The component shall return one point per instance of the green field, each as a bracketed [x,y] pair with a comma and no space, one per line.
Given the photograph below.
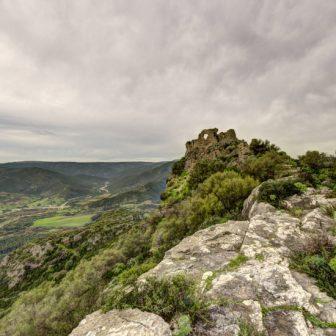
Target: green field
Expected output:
[63,221]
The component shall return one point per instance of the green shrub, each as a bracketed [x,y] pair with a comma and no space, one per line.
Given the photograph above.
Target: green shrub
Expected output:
[274,192]
[236,262]
[318,169]
[314,160]
[178,166]
[219,198]
[259,147]
[270,165]
[204,169]
[330,211]
[228,189]
[166,298]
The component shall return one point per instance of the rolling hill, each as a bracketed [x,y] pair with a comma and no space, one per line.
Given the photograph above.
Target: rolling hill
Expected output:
[107,170]
[72,179]
[41,182]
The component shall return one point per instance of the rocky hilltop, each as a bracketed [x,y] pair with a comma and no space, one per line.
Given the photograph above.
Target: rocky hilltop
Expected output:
[243,244]
[211,145]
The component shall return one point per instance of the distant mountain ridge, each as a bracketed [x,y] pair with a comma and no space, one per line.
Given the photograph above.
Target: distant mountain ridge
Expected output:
[100,169]
[73,179]
[42,182]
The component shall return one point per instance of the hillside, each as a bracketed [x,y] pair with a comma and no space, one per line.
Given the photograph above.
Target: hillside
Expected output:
[243,243]
[71,179]
[106,170]
[38,181]
[29,194]
[156,174]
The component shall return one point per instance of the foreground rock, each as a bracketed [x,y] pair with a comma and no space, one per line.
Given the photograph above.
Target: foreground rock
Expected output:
[261,290]
[242,269]
[131,322]
[206,251]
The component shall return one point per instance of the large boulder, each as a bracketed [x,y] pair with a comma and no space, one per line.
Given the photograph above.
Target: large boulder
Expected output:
[130,322]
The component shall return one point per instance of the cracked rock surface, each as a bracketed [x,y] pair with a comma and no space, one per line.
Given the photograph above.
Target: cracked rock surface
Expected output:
[264,282]
[261,291]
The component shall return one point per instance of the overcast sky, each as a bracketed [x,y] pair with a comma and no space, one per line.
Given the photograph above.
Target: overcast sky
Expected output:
[135,79]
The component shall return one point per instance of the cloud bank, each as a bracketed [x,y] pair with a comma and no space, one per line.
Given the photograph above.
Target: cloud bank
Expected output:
[133,80]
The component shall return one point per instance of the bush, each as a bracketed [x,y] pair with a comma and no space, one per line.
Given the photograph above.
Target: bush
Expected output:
[204,169]
[166,298]
[219,198]
[274,192]
[270,165]
[318,169]
[314,160]
[259,147]
[227,189]
[178,166]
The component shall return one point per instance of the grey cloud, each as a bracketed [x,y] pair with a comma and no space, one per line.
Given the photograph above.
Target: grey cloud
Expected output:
[133,79]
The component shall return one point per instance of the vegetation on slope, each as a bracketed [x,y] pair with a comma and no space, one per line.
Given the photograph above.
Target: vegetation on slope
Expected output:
[37,190]
[49,259]
[125,257]
[91,273]
[37,181]
[216,200]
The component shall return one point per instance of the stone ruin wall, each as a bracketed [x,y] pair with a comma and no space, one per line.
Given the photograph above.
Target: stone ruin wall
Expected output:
[209,145]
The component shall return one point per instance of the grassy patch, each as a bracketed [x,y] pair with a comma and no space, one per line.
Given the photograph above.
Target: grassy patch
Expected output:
[63,221]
